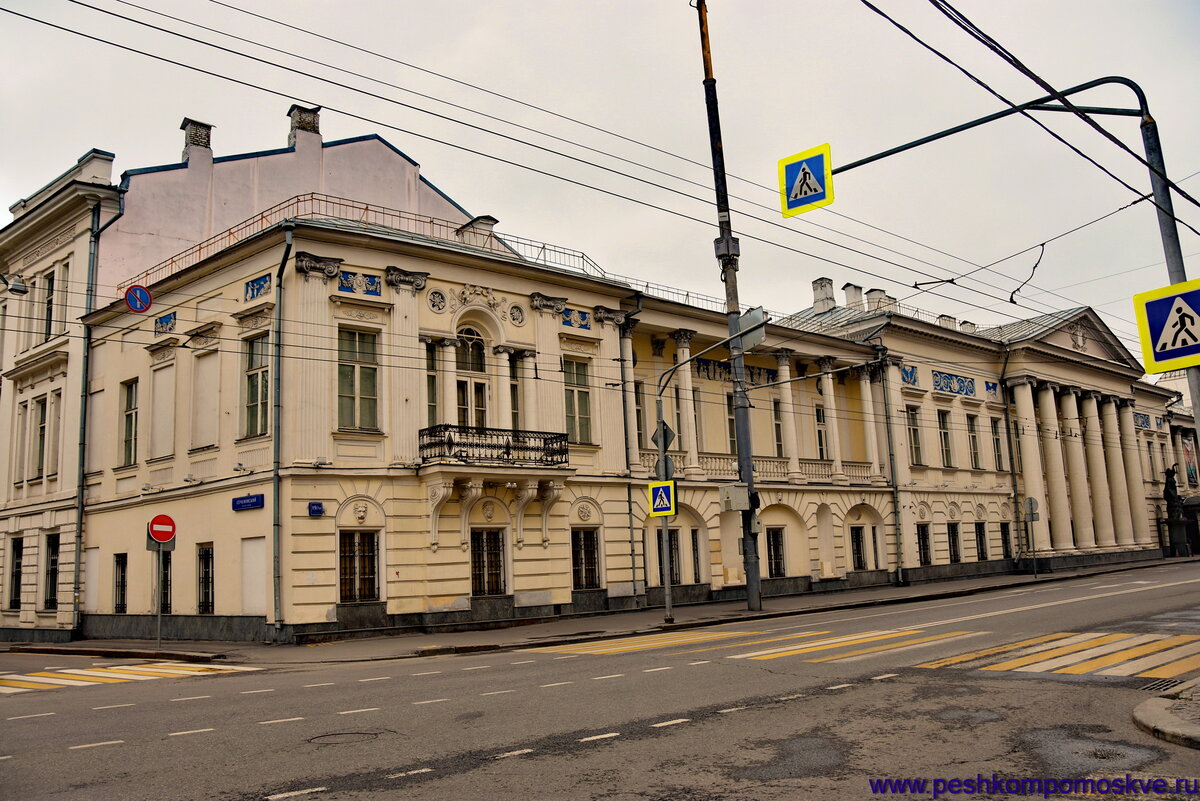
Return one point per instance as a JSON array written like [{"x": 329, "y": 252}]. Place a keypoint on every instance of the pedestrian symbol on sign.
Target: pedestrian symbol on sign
[
  {"x": 805, "y": 181},
  {"x": 662, "y": 498},
  {"x": 805, "y": 185},
  {"x": 1169, "y": 323},
  {"x": 1181, "y": 327}
]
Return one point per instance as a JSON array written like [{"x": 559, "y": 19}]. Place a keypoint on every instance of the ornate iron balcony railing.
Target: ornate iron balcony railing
[{"x": 498, "y": 446}]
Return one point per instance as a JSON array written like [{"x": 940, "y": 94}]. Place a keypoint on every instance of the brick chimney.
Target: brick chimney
[
  {"x": 823, "y": 299},
  {"x": 304, "y": 121},
  {"x": 197, "y": 139}
]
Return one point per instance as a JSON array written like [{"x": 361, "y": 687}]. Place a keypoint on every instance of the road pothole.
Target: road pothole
[
  {"x": 968, "y": 716},
  {"x": 1072, "y": 752},
  {"x": 349, "y": 737}
]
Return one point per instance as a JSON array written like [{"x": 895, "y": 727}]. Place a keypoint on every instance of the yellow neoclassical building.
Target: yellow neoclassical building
[{"x": 366, "y": 410}]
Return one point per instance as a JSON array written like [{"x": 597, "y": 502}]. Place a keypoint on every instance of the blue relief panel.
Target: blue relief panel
[
  {"x": 359, "y": 283},
  {"x": 257, "y": 287},
  {"x": 1141, "y": 420},
  {"x": 164, "y": 324},
  {"x": 574, "y": 318},
  {"x": 908, "y": 375},
  {"x": 715, "y": 370},
  {"x": 954, "y": 384},
  {"x": 992, "y": 390},
  {"x": 1158, "y": 422}
]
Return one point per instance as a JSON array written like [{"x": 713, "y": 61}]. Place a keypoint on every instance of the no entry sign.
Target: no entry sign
[{"x": 161, "y": 528}]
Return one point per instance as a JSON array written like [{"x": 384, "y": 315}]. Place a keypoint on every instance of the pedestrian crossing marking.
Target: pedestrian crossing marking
[
  {"x": 1147, "y": 662},
  {"x": 1127, "y": 654},
  {"x": 891, "y": 645},
  {"x": 77, "y": 677},
  {"x": 840, "y": 642},
  {"x": 162, "y": 674},
  {"x": 1088, "y": 654},
  {"x": 842, "y": 638},
  {"x": 646, "y": 642},
  {"x": 1172, "y": 669},
  {"x": 1066, "y": 649},
  {"x": 27, "y": 685},
  {"x": 998, "y": 649},
  {"x": 119, "y": 674},
  {"x": 755, "y": 642}
]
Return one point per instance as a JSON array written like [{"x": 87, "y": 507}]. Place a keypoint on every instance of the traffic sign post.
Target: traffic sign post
[
  {"x": 160, "y": 536},
  {"x": 662, "y": 498},
  {"x": 1169, "y": 324},
  {"x": 806, "y": 181},
  {"x": 138, "y": 299}
]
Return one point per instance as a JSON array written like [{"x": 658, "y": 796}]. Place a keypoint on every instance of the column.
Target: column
[
  {"x": 868, "y": 421},
  {"x": 1077, "y": 471},
  {"x": 1031, "y": 461},
  {"x": 1056, "y": 478},
  {"x": 902, "y": 480},
  {"x": 527, "y": 371},
  {"x": 690, "y": 444},
  {"x": 501, "y": 381},
  {"x": 787, "y": 413},
  {"x": 448, "y": 375},
  {"x": 1177, "y": 456},
  {"x": 882, "y": 447},
  {"x": 1119, "y": 493},
  {"x": 1093, "y": 441},
  {"x": 633, "y": 451},
  {"x": 832, "y": 422},
  {"x": 1131, "y": 451}
]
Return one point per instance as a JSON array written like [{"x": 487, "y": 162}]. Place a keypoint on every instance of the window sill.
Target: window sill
[
  {"x": 126, "y": 468},
  {"x": 203, "y": 449},
  {"x": 251, "y": 438},
  {"x": 587, "y": 446},
  {"x": 359, "y": 433},
  {"x": 161, "y": 459}
]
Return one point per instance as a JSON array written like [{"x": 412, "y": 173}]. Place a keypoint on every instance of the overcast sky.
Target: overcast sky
[{"x": 791, "y": 74}]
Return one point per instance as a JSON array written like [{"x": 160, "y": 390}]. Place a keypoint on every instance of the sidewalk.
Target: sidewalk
[{"x": 567, "y": 630}]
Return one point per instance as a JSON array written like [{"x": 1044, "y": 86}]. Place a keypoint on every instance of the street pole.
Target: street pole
[
  {"x": 158, "y": 592},
  {"x": 665, "y": 533},
  {"x": 727, "y": 251}
]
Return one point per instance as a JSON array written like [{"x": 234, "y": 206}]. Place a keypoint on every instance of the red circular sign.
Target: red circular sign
[{"x": 161, "y": 528}]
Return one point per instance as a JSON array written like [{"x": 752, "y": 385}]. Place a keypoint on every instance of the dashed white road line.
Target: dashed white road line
[
  {"x": 355, "y": 711},
  {"x": 38, "y": 715},
  {"x": 408, "y": 773},
  {"x": 428, "y": 673},
  {"x": 498, "y": 692},
  {"x": 791, "y": 697},
  {"x": 252, "y": 692},
  {"x": 732, "y": 709},
  {"x": 839, "y": 686},
  {"x": 884, "y": 676},
  {"x": 655, "y": 670},
  {"x": 665, "y": 723},
  {"x": 295, "y": 793},
  {"x": 523, "y": 662},
  {"x": 558, "y": 684},
  {"x": 322, "y": 684},
  {"x": 192, "y": 698},
  {"x": 478, "y": 667},
  {"x": 281, "y": 720},
  {"x": 701, "y": 662},
  {"x": 112, "y": 706},
  {"x": 569, "y": 656},
  {"x": 8, "y": 756},
  {"x": 600, "y": 737},
  {"x": 431, "y": 701},
  {"x": 609, "y": 676},
  {"x": 377, "y": 678},
  {"x": 95, "y": 745},
  {"x": 193, "y": 731},
  {"x": 513, "y": 753}
]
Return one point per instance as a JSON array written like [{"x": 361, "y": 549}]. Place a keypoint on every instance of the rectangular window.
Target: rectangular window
[
  {"x": 206, "y": 584},
  {"x": 258, "y": 387},
  {"x": 585, "y": 558},
  {"x": 38, "y": 452},
  {"x": 943, "y": 418},
  {"x": 48, "y": 306},
  {"x": 129, "y": 422},
  {"x": 50, "y": 590},
  {"x": 696, "y": 419},
  {"x": 973, "y": 441},
  {"x": 697, "y": 576},
  {"x": 775, "y": 562},
  {"x": 639, "y": 411},
  {"x": 1006, "y": 540},
  {"x": 981, "y": 549},
  {"x": 952, "y": 540},
  {"x": 514, "y": 390},
  {"x": 487, "y": 562},
  {"x": 431, "y": 384},
  {"x": 358, "y": 371},
  {"x": 924, "y": 547},
  {"x": 19, "y": 467},
  {"x": 579, "y": 401},
  {"x": 120, "y": 582},
  {"x": 912, "y": 415},
  {"x": 15, "y": 566},
  {"x": 858, "y": 547},
  {"x": 998, "y": 444},
  {"x": 822, "y": 432},
  {"x": 730, "y": 424},
  {"x": 677, "y": 398},
  {"x": 777, "y": 424},
  {"x": 206, "y": 394},
  {"x": 674, "y": 539},
  {"x": 164, "y": 583},
  {"x": 1152, "y": 475},
  {"x": 358, "y": 566}
]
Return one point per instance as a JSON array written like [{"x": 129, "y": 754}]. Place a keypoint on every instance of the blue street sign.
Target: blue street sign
[
  {"x": 316, "y": 509},
  {"x": 1169, "y": 323},
  {"x": 248, "y": 502},
  {"x": 138, "y": 298},
  {"x": 806, "y": 181},
  {"x": 662, "y": 498}
]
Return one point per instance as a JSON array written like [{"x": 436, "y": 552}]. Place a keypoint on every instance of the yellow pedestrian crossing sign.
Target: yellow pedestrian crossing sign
[
  {"x": 806, "y": 181},
  {"x": 1169, "y": 323},
  {"x": 662, "y": 498}
]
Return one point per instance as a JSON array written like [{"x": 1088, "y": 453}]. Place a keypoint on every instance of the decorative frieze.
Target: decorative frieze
[
  {"x": 575, "y": 318},
  {"x": 63, "y": 237},
  {"x": 516, "y": 314},
  {"x": 714, "y": 370},
  {"x": 313, "y": 266},
  {"x": 437, "y": 300},
  {"x": 954, "y": 384},
  {"x": 908, "y": 375},
  {"x": 256, "y": 288},
  {"x": 405, "y": 279},
  {"x": 1141, "y": 420},
  {"x": 165, "y": 324},
  {"x": 992, "y": 390},
  {"x": 360, "y": 283}
]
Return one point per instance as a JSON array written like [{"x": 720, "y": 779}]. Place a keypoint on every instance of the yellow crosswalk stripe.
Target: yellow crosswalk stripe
[
  {"x": 850, "y": 641},
  {"x": 1172, "y": 669},
  {"x": 999, "y": 649},
  {"x": 1047, "y": 665},
  {"x": 76, "y": 677},
  {"x": 1053, "y": 652},
  {"x": 1128, "y": 653},
  {"x": 843, "y": 638},
  {"x": 754, "y": 642},
  {"x": 135, "y": 671},
  {"x": 196, "y": 669},
  {"x": 646, "y": 642},
  {"x": 28, "y": 685},
  {"x": 888, "y": 646},
  {"x": 1151, "y": 661}
]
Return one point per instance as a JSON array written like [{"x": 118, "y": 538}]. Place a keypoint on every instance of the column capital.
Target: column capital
[
  {"x": 524, "y": 354},
  {"x": 1071, "y": 389},
  {"x": 500, "y": 349},
  {"x": 627, "y": 326},
  {"x": 603, "y": 314},
  {"x": 546, "y": 303},
  {"x": 1018, "y": 380},
  {"x": 825, "y": 363},
  {"x": 1091, "y": 394},
  {"x": 784, "y": 356},
  {"x": 450, "y": 342},
  {"x": 426, "y": 339},
  {"x": 683, "y": 337},
  {"x": 1050, "y": 385}
]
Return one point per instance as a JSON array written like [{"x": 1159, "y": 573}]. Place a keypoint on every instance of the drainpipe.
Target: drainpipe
[
  {"x": 85, "y": 370},
  {"x": 277, "y": 430}
]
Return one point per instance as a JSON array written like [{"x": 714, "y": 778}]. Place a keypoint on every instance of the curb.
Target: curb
[
  {"x": 116, "y": 653},
  {"x": 1154, "y": 716}
]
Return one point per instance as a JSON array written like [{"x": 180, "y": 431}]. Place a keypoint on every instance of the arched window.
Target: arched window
[
  {"x": 472, "y": 390},
  {"x": 470, "y": 352}
]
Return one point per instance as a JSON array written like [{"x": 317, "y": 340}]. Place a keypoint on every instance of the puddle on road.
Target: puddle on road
[{"x": 1072, "y": 752}]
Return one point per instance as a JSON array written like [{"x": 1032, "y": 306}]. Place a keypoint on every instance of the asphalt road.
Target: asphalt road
[{"x": 1032, "y": 682}]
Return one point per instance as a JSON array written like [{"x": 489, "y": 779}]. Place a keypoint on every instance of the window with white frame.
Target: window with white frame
[
  {"x": 912, "y": 417},
  {"x": 514, "y": 389},
  {"x": 487, "y": 562},
  {"x": 677, "y": 402},
  {"x": 998, "y": 444},
  {"x": 639, "y": 412},
  {"x": 822, "y": 432},
  {"x": 775, "y": 557},
  {"x": 777, "y": 424},
  {"x": 358, "y": 372},
  {"x": 472, "y": 383},
  {"x": 50, "y": 584},
  {"x": 129, "y": 422},
  {"x": 578, "y": 396},
  {"x": 16, "y": 564},
  {"x": 973, "y": 441},
  {"x": 38, "y": 423},
  {"x": 673, "y": 540},
  {"x": 730, "y": 423},
  {"x": 258, "y": 387},
  {"x": 943, "y": 419},
  {"x": 431, "y": 384}
]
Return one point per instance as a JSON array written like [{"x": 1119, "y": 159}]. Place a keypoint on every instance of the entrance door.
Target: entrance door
[{"x": 487, "y": 562}]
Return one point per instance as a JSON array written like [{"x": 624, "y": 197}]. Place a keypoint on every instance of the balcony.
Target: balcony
[
  {"x": 492, "y": 446},
  {"x": 766, "y": 468}
]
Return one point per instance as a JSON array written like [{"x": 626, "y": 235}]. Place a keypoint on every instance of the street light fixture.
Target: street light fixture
[{"x": 14, "y": 284}]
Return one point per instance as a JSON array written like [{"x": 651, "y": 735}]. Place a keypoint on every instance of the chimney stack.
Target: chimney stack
[
  {"x": 876, "y": 298},
  {"x": 946, "y": 321},
  {"x": 823, "y": 299},
  {"x": 306, "y": 120},
  {"x": 854, "y": 296},
  {"x": 967, "y": 327},
  {"x": 197, "y": 137},
  {"x": 478, "y": 232}
]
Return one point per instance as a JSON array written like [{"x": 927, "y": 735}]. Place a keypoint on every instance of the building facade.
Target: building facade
[{"x": 367, "y": 410}]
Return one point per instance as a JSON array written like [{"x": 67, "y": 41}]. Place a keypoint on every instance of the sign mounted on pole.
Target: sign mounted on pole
[
  {"x": 662, "y": 498},
  {"x": 1169, "y": 323},
  {"x": 806, "y": 181}
]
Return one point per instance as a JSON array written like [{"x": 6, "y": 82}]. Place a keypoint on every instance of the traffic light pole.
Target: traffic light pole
[{"x": 727, "y": 251}]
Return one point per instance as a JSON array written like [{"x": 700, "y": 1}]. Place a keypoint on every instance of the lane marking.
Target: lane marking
[
  {"x": 600, "y": 737},
  {"x": 839, "y": 686},
  {"x": 95, "y": 745},
  {"x": 792, "y": 697},
  {"x": 572, "y": 656},
  {"x": 28, "y": 685},
  {"x": 134, "y": 670},
  {"x": 1048, "y": 665},
  {"x": 513, "y": 753},
  {"x": 920, "y": 643},
  {"x": 666, "y": 723},
  {"x": 38, "y": 715},
  {"x": 558, "y": 684},
  {"x": 252, "y": 692},
  {"x": 193, "y": 731},
  {"x": 428, "y": 673},
  {"x": 884, "y": 676},
  {"x": 701, "y": 662},
  {"x": 295, "y": 793},
  {"x": 408, "y": 773},
  {"x": 82, "y": 679},
  {"x": 498, "y": 692},
  {"x": 655, "y": 670},
  {"x": 999, "y": 649},
  {"x": 356, "y": 711},
  {"x": 322, "y": 684},
  {"x": 1172, "y": 669},
  {"x": 646, "y": 642},
  {"x": 889, "y": 646},
  {"x": 6, "y": 757},
  {"x": 281, "y": 720},
  {"x": 523, "y": 662},
  {"x": 76, "y": 681},
  {"x": 478, "y": 667},
  {"x": 1021, "y": 661},
  {"x": 789, "y": 648},
  {"x": 840, "y": 642},
  {"x": 610, "y": 676},
  {"x": 112, "y": 706},
  {"x": 1147, "y": 662},
  {"x": 732, "y": 709},
  {"x": 433, "y": 701},
  {"x": 1129, "y": 653},
  {"x": 754, "y": 642},
  {"x": 191, "y": 698},
  {"x": 377, "y": 678},
  {"x": 107, "y": 674}
]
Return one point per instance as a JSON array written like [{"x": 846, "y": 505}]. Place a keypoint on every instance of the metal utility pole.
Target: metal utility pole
[{"x": 727, "y": 251}]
